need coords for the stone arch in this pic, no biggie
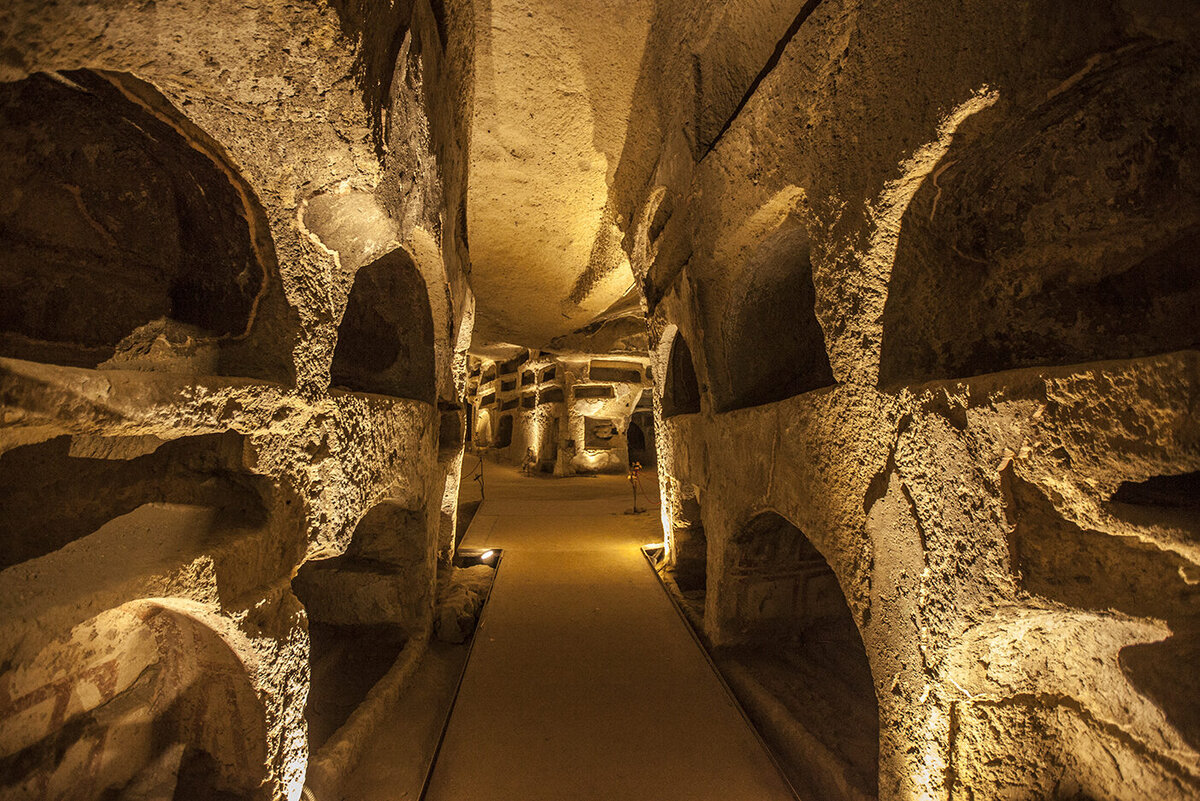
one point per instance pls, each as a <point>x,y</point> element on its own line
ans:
<point>149,700</point>
<point>363,606</point>
<point>127,237</point>
<point>385,341</point>
<point>483,428</point>
<point>193,491</point>
<point>783,602</point>
<point>1058,234</point>
<point>681,389</point>
<point>772,345</point>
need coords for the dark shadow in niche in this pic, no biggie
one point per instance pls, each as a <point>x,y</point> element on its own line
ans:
<point>193,707</point>
<point>640,435</point>
<point>385,341</point>
<point>504,434</point>
<point>362,608</point>
<point>1062,561</point>
<point>1062,234</point>
<point>774,346</point>
<point>126,227</point>
<point>50,498</point>
<point>1177,491</point>
<point>681,390</point>
<point>1166,673</point>
<point>802,646</point>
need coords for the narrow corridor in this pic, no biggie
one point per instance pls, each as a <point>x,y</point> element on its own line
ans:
<point>584,682</point>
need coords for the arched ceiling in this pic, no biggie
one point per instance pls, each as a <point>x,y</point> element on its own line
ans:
<point>555,81</point>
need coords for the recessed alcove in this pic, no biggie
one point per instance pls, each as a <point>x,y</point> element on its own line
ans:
<point>63,490</point>
<point>385,340</point>
<point>168,711</point>
<point>681,390</point>
<point>799,643</point>
<point>772,345</point>
<point>363,607</point>
<point>1055,234</point>
<point>125,233</point>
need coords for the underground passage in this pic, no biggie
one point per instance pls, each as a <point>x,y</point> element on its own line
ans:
<point>633,400</point>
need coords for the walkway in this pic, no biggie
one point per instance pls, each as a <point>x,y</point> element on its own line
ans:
<point>584,683</point>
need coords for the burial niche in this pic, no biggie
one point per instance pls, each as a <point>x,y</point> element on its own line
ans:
<point>385,341</point>
<point>123,228</point>
<point>799,641</point>
<point>193,491</point>
<point>153,704</point>
<point>363,606</point>
<point>681,390</point>
<point>774,346</point>
<point>1062,234</point>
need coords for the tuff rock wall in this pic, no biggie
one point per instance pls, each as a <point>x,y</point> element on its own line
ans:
<point>234,317</point>
<point>921,287</point>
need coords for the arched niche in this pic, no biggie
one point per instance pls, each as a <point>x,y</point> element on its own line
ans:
<point>127,236</point>
<point>681,390</point>
<point>504,432</point>
<point>772,345</point>
<point>385,341</point>
<point>151,702</point>
<point>193,491</point>
<point>1058,234</point>
<point>362,607</point>
<point>798,636</point>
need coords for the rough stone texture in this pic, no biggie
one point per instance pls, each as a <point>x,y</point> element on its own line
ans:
<point>460,600</point>
<point>990,433</point>
<point>206,209</point>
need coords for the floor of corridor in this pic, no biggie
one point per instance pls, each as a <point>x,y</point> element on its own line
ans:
<point>584,682</point>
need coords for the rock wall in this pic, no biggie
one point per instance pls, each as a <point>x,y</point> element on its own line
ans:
<point>233,323</point>
<point>920,286</point>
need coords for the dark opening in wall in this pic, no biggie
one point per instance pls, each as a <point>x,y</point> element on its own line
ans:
<point>528,402</point>
<point>802,646</point>
<point>508,386</point>
<point>552,395</point>
<point>1180,490</point>
<point>489,373</point>
<point>504,435</point>
<point>774,346</point>
<point>594,392</point>
<point>362,607</point>
<point>120,219</point>
<point>1088,569</point>
<point>385,340</point>
<point>681,390</point>
<point>690,568</point>
<point>450,431</point>
<point>1062,234</point>
<point>511,403</point>
<point>488,399</point>
<point>628,375</point>
<point>62,490</point>
<point>548,374</point>
<point>528,379</point>
<point>640,436</point>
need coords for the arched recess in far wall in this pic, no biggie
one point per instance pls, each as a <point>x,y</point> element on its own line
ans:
<point>772,346</point>
<point>176,714</point>
<point>124,227</point>
<point>385,341</point>
<point>1057,234</point>
<point>681,388</point>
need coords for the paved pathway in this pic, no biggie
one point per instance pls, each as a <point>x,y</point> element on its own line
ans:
<point>584,682</point>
